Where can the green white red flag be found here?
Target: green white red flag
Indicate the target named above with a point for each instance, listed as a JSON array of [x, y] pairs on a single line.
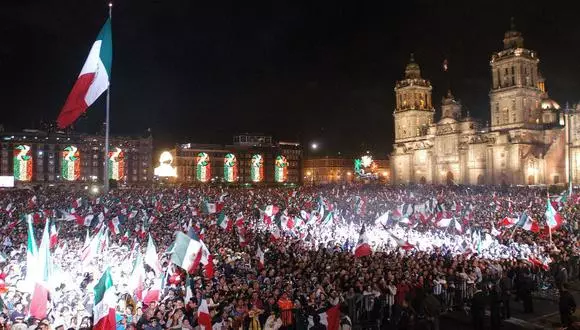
[[104, 308], [151, 257], [203, 316], [92, 81], [185, 251], [553, 218], [225, 222]]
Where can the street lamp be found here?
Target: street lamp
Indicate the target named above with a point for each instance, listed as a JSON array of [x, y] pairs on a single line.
[[314, 146], [569, 124]]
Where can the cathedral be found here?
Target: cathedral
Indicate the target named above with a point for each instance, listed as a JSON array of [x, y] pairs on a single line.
[[526, 141]]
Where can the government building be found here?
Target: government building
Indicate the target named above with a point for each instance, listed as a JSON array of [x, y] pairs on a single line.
[[39, 157], [526, 141], [254, 159]]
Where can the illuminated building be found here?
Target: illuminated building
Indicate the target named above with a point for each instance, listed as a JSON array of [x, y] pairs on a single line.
[[525, 143], [58, 158], [251, 158], [325, 170]]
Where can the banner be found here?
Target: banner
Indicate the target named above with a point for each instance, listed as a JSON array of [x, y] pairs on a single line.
[[281, 169], [257, 168], [70, 164], [230, 168], [116, 166], [203, 170], [22, 163]]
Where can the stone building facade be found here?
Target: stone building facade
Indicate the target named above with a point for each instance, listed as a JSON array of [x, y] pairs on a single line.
[[525, 143]]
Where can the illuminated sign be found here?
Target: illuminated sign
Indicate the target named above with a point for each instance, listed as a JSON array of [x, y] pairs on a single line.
[[70, 165], [6, 181], [22, 163], [230, 168], [281, 169], [257, 168], [203, 167], [116, 164], [365, 166], [165, 169]]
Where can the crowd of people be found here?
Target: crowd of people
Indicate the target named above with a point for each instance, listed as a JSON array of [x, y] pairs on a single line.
[[322, 257]]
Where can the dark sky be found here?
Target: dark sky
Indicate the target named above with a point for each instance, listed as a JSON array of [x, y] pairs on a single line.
[[202, 71]]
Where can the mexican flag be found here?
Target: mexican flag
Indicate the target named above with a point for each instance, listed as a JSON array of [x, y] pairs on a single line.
[[105, 300], [329, 318], [271, 210], [363, 248], [206, 260], [39, 298], [151, 257], [260, 257], [203, 316], [328, 219], [403, 244], [527, 223], [114, 225], [31, 251], [137, 277], [53, 235], [553, 218], [508, 222], [185, 251], [209, 208], [92, 81], [224, 222], [77, 202]]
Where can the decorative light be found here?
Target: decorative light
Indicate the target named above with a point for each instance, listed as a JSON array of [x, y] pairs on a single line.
[[165, 169]]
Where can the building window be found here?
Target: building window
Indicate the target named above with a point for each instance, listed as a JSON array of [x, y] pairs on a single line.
[[556, 179]]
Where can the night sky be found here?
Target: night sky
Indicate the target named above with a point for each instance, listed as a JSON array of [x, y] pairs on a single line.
[[202, 71]]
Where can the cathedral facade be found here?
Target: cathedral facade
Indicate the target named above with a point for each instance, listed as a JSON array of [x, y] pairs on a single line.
[[526, 141]]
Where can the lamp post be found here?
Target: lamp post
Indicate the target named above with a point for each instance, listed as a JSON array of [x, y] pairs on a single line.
[[569, 125]]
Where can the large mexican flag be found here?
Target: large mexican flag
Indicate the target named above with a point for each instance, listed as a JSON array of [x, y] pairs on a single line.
[[92, 81]]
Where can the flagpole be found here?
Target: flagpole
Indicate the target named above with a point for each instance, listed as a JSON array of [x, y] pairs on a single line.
[[106, 165]]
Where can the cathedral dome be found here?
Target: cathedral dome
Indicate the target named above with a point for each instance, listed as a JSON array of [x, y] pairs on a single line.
[[549, 104]]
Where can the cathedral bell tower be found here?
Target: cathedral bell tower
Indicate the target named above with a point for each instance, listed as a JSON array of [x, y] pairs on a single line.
[[414, 110], [515, 92]]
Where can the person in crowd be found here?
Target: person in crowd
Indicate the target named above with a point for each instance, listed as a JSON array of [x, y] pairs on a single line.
[[275, 257], [566, 305], [505, 286], [478, 307]]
